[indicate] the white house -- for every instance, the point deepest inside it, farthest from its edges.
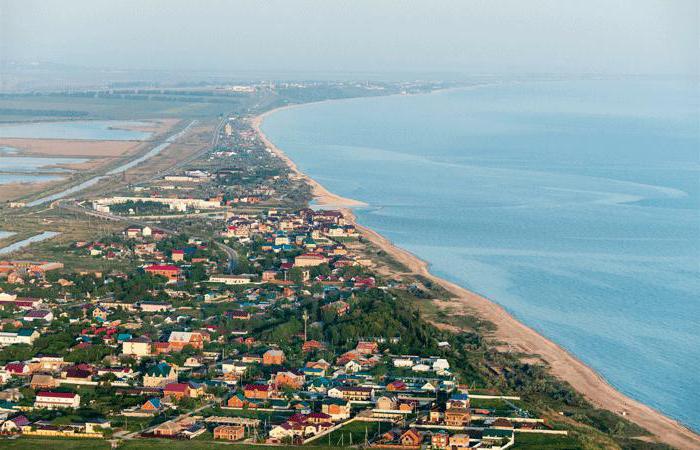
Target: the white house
(421, 368)
(403, 361)
(440, 365)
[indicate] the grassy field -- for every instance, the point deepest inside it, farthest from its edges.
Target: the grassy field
(351, 434)
(111, 108)
(545, 442)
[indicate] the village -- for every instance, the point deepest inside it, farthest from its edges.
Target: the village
(239, 315)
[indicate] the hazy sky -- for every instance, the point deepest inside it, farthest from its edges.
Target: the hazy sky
(489, 36)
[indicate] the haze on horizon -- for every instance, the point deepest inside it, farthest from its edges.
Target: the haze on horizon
(278, 36)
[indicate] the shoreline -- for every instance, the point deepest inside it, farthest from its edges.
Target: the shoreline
(561, 363)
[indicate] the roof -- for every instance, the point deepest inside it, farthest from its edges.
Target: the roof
(56, 394)
(164, 267)
(37, 313)
(177, 387)
(160, 370)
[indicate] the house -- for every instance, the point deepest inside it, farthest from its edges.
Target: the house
(238, 400)
(172, 273)
(53, 400)
(460, 441)
(17, 369)
(411, 438)
(238, 314)
(352, 393)
(229, 432)
(256, 391)
(288, 379)
(177, 390)
(387, 403)
(312, 346)
(139, 346)
(152, 405)
(38, 314)
(100, 313)
(457, 417)
(177, 255)
(273, 357)
(396, 385)
(441, 365)
(14, 425)
(367, 348)
(337, 409)
(180, 339)
(502, 424)
(160, 375)
(440, 440)
(168, 429)
(233, 367)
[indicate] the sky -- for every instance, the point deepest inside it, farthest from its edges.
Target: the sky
(469, 36)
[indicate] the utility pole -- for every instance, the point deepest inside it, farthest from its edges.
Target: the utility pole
(305, 316)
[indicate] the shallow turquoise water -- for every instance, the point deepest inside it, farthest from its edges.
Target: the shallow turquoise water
(78, 129)
(575, 205)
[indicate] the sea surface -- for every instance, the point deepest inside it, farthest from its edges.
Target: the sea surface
(574, 204)
(111, 130)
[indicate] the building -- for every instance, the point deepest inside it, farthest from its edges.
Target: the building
(273, 357)
(172, 273)
(309, 260)
(352, 393)
(288, 379)
(440, 440)
(23, 336)
(139, 346)
(53, 400)
(229, 432)
(411, 438)
(160, 375)
(257, 391)
(42, 381)
(457, 417)
(338, 409)
(180, 339)
(229, 279)
(38, 314)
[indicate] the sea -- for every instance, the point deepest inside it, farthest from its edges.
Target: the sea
(574, 204)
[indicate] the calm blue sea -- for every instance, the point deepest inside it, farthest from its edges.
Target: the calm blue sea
(574, 204)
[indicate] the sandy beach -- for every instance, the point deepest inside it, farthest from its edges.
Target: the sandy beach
(519, 337)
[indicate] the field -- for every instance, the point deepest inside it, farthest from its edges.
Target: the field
(63, 107)
(351, 434)
(156, 444)
(545, 442)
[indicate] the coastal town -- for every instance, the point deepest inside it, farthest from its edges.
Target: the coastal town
(231, 300)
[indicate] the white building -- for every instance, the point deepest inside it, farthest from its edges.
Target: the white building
(23, 336)
(229, 279)
(52, 400)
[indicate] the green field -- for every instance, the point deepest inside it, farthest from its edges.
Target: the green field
(351, 434)
(110, 108)
(533, 441)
